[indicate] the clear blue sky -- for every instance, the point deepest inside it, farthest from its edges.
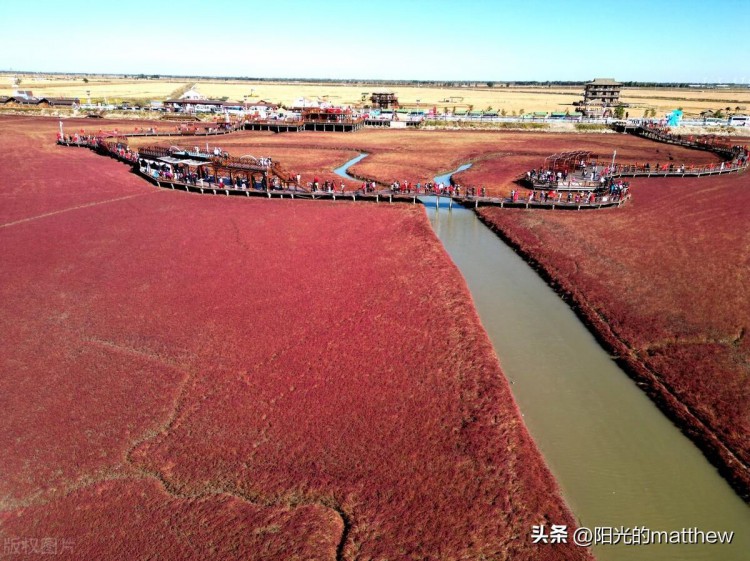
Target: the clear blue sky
(656, 40)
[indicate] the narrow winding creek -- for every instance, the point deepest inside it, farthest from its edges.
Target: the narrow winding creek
(618, 460)
(342, 169)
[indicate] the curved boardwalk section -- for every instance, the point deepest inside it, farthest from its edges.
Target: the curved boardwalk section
(583, 171)
(199, 172)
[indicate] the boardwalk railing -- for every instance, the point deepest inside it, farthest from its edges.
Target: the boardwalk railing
(677, 171)
(725, 150)
(116, 147)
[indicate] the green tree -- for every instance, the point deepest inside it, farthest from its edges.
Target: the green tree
(490, 84)
(503, 112)
(652, 112)
(85, 80)
(620, 111)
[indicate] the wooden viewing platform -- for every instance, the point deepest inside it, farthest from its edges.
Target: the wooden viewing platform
(274, 126)
(304, 125)
(735, 160)
(349, 125)
(577, 183)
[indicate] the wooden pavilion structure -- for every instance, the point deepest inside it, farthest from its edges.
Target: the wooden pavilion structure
(568, 161)
(384, 100)
(257, 173)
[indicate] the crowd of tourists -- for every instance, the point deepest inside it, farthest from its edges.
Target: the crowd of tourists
(76, 138)
(614, 192)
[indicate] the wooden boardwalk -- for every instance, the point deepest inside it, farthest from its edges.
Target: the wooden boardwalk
(382, 196)
(578, 183)
(735, 160)
(678, 171)
(385, 195)
(657, 135)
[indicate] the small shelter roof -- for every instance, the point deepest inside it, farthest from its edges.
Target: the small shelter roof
(24, 100)
(61, 100)
(603, 82)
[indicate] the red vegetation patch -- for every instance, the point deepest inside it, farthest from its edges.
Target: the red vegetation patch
(323, 362)
(667, 275)
(137, 519)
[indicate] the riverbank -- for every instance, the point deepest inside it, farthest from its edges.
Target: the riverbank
(654, 312)
(618, 459)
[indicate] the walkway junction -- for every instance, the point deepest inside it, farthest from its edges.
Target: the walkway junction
(585, 171)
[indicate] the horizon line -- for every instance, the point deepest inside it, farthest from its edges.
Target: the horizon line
(156, 76)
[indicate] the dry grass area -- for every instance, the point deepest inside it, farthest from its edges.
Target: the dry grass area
(111, 89)
(515, 99)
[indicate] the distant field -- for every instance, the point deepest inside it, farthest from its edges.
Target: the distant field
(692, 101)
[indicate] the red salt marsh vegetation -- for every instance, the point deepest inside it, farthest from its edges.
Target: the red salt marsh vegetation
(194, 377)
(418, 156)
(664, 282)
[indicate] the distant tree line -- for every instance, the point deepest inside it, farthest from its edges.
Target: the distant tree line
(364, 82)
